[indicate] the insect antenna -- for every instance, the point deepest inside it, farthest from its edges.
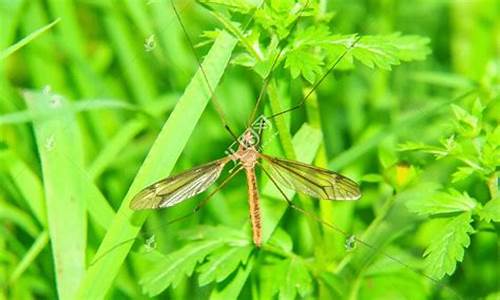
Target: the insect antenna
(275, 63)
(213, 97)
(319, 81)
(351, 237)
(273, 66)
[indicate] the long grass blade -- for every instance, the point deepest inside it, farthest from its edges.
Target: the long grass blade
(59, 147)
(11, 49)
(158, 164)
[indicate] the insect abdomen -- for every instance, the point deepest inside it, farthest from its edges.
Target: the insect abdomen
(253, 201)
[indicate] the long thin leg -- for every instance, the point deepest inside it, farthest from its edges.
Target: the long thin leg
(333, 227)
(211, 90)
(215, 101)
(195, 210)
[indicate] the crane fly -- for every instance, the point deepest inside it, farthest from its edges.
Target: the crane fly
(284, 174)
(303, 178)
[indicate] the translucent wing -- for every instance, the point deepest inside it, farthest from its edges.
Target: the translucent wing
(313, 181)
(174, 189)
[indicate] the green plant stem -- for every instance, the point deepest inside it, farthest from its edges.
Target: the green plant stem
(286, 142)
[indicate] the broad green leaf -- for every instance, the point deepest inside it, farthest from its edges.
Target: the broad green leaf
(491, 211)
(221, 263)
(177, 265)
(447, 248)
(443, 202)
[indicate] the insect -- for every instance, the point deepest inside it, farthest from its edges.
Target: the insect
(303, 178)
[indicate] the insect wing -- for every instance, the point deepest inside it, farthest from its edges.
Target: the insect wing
(313, 181)
(174, 189)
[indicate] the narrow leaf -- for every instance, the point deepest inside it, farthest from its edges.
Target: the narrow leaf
(59, 147)
(126, 224)
(9, 50)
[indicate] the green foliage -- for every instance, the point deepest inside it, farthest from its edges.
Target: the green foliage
(223, 250)
(107, 98)
(295, 278)
(473, 142)
(310, 50)
(491, 211)
(448, 246)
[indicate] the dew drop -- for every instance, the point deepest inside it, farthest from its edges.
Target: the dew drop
(350, 243)
(55, 101)
(150, 243)
(50, 143)
(150, 43)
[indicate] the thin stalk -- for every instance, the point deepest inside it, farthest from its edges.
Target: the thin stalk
(286, 142)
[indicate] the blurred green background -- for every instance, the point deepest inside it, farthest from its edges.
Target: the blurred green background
(82, 102)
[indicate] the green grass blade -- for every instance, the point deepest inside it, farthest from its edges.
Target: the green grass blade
(9, 50)
(28, 183)
(159, 163)
(59, 148)
(30, 256)
(80, 106)
(12, 214)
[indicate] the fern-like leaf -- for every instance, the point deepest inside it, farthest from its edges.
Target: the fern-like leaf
(491, 211)
(443, 202)
(221, 263)
(179, 263)
(448, 246)
(292, 277)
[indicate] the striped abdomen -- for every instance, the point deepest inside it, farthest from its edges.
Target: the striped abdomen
(253, 201)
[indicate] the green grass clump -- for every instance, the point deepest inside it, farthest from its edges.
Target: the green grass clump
(98, 99)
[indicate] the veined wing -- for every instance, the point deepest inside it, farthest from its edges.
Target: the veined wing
(174, 189)
(313, 181)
